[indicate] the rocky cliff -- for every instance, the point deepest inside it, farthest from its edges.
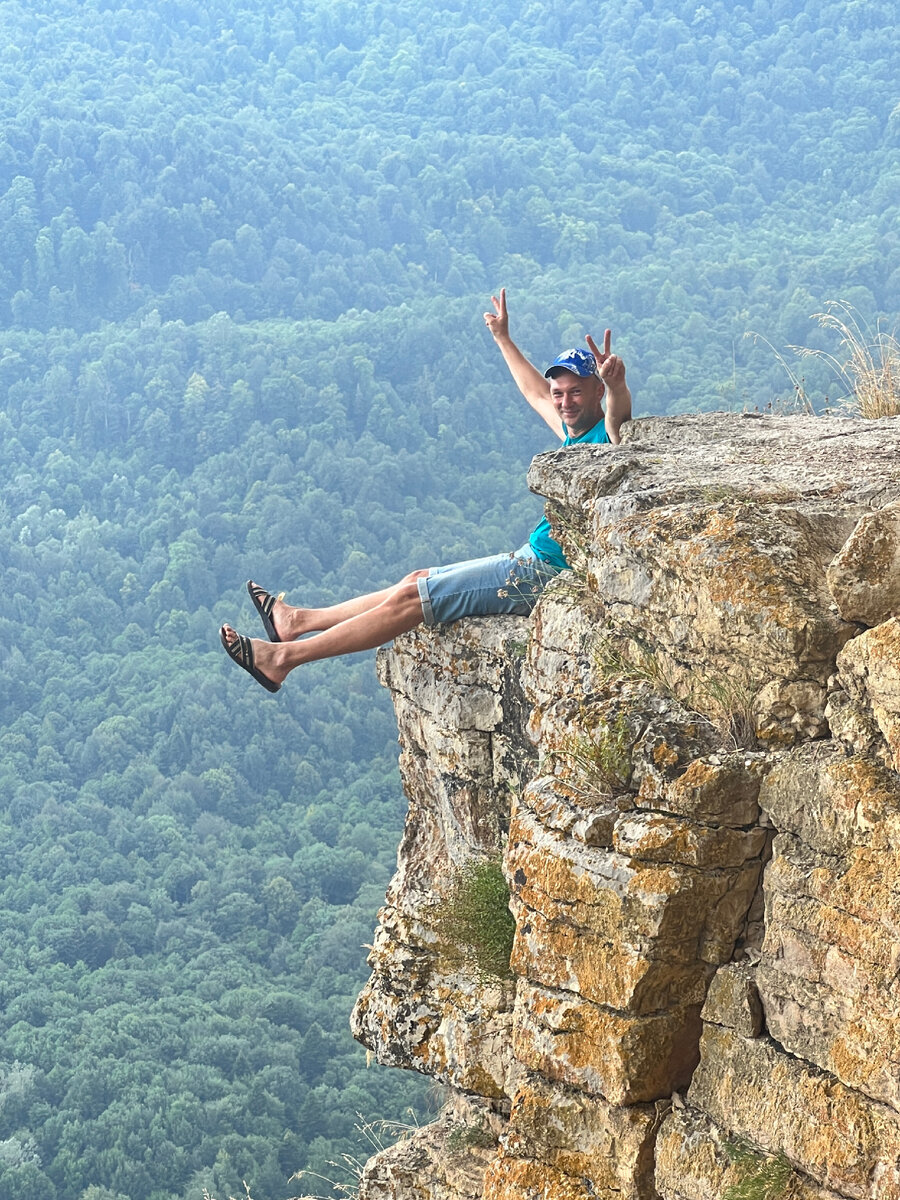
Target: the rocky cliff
(687, 762)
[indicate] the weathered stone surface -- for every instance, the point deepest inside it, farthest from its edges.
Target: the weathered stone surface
(692, 1162)
(704, 538)
(559, 661)
(733, 999)
(864, 577)
(456, 694)
(588, 816)
(831, 953)
(853, 725)
(622, 912)
(443, 1025)
(719, 789)
(454, 805)
(833, 803)
(638, 936)
(625, 1059)
(660, 837)
(830, 1132)
(562, 1144)
(458, 673)
(732, 596)
(445, 1160)
(869, 668)
(827, 463)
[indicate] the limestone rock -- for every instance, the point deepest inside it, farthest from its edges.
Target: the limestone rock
(733, 1000)
(708, 539)
(461, 724)
(833, 803)
(715, 789)
(869, 668)
(864, 577)
(613, 1055)
(559, 660)
(731, 596)
(635, 747)
(853, 724)
(638, 936)
(830, 956)
(663, 838)
(695, 1160)
(445, 1160)
(441, 1023)
(562, 1144)
(828, 1132)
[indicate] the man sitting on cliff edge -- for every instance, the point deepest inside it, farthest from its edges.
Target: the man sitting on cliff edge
(569, 397)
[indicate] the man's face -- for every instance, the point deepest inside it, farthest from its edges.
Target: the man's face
(578, 401)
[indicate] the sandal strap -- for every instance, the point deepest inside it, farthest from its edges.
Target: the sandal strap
(240, 651)
(263, 600)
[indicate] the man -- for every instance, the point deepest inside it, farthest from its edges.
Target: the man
(569, 396)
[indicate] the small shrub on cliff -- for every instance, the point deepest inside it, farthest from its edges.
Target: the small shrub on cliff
(631, 661)
(762, 1177)
(474, 924)
(728, 703)
(465, 1137)
(602, 758)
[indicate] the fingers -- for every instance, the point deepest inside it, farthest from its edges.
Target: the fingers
(600, 355)
(498, 316)
(612, 369)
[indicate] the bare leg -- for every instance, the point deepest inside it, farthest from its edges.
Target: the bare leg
(398, 612)
(291, 622)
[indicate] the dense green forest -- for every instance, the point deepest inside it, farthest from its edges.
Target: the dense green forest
(246, 249)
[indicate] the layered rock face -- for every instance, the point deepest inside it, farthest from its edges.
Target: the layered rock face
(687, 763)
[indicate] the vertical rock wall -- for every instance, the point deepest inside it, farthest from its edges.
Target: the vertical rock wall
(689, 760)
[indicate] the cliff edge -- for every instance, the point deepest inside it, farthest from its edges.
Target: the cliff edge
(688, 762)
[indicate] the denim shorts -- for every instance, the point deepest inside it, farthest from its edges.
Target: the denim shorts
(500, 583)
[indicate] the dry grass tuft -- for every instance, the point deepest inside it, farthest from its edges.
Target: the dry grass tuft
(379, 1135)
(868, 365)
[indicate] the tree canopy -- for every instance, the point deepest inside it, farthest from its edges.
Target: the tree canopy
(246, 249)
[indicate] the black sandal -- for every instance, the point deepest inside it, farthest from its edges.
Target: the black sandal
(264, 603)
(241, 652)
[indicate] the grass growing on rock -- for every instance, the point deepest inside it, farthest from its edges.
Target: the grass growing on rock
(474, 924)
(601, 759)
(762, 1177)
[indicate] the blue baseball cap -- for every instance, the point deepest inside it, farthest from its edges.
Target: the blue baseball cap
(579, 362)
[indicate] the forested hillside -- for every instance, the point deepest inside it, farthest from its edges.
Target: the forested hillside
(245, 253)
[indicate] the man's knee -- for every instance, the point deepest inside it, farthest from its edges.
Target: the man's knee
(405, 599)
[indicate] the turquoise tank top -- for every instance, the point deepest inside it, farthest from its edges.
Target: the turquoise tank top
(540, 541)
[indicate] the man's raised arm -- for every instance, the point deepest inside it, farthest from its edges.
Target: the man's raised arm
(528, 379)
(618, 394)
